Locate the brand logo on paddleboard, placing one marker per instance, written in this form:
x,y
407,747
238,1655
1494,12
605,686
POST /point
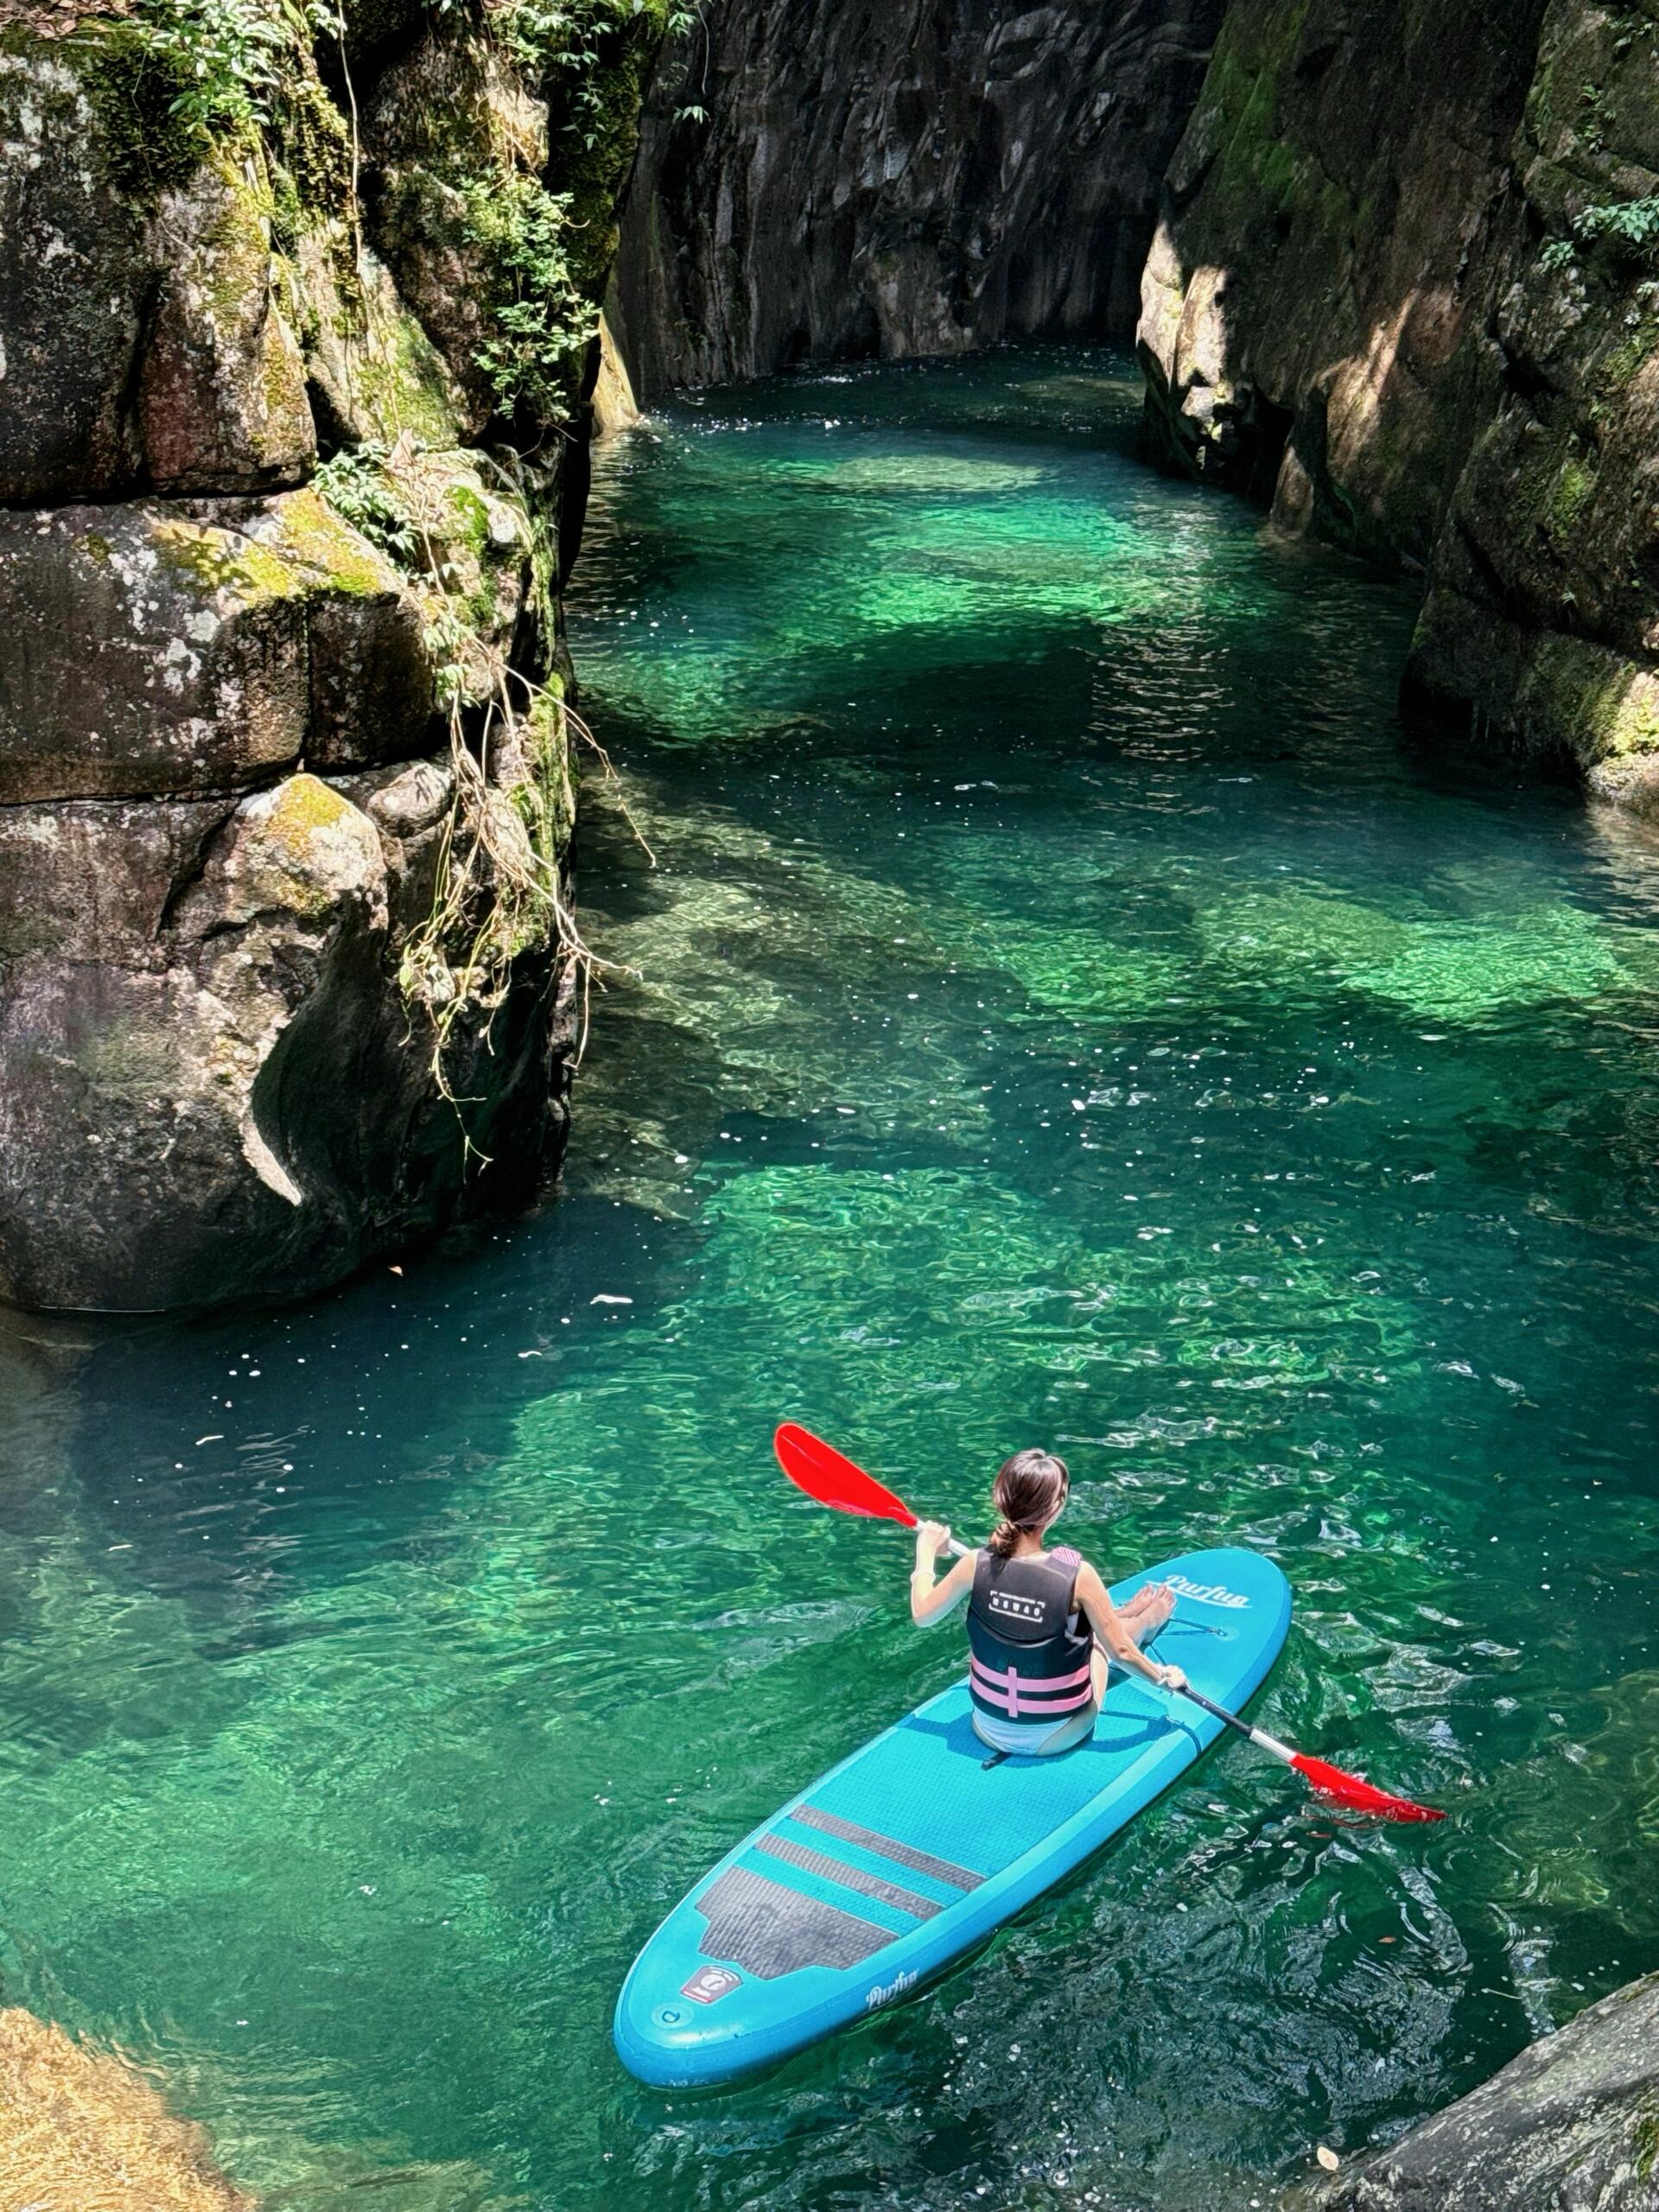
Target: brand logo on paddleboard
x,y
1207,1594
710,1983
885,1992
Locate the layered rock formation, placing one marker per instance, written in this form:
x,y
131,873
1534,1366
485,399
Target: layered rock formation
x,y
849,181
1403,285
291,350
1573,2123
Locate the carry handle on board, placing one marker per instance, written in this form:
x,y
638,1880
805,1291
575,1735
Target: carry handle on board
x,y
832,1479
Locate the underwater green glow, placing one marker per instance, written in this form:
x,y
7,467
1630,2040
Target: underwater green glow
x,y
1064,1008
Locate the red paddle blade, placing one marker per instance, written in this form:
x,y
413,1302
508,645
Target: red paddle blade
x,y
828,1476
1358,1795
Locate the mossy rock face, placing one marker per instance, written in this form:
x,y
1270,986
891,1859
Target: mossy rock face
x,y
448,127
141,347
376,376
1540,629
304,849
1316,303
1548,695
156,649
221,398
74,271
371,691
225,788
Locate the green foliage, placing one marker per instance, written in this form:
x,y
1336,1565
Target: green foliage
x,y
357,486
588,59
135,88
1557,254
225,57
566,39
539,316
176,77
1629,227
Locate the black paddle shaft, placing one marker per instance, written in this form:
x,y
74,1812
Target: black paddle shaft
x,y
1198,1697
1219,1711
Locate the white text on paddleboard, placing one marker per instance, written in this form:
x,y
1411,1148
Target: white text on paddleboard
x,y
1207,1594
885,1992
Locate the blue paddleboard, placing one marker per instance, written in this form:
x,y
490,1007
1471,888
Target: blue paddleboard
x,y
909,1851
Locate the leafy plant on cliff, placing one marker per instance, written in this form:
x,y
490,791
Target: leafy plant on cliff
x,y
356,485
172,79
227,54
538,317
1629,227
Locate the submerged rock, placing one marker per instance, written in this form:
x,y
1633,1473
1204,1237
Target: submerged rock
x,y
81,2131
1571,2126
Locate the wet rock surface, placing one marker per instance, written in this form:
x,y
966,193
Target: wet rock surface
x,y
1570,2125
835,182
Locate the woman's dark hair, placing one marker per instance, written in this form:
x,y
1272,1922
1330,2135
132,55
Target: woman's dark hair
x,y
1029,1490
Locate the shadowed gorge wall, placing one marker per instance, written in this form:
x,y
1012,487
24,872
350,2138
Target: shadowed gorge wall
x,y
865,182
1403,284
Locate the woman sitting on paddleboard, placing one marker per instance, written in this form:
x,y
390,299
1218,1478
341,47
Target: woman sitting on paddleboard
x,y
1036,1672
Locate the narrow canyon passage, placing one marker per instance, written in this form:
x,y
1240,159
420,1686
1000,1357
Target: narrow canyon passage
x,y
1064,1008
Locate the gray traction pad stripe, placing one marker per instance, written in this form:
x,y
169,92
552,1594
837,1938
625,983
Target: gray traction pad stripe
x,y
770,1930
846,1876
902,1855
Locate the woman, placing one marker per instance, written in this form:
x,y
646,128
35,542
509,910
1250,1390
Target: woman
x,y
1036,1672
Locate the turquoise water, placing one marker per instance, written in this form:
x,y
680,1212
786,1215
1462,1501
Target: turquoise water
x,y
1066,1010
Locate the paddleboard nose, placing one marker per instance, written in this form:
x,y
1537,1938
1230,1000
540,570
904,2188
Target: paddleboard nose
x,y
675,2042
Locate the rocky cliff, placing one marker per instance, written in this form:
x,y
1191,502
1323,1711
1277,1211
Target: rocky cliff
x,y
1403,285
1572,2123
295,315
860,182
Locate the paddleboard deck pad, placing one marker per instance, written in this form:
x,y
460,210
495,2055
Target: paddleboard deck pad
x,y
913,1850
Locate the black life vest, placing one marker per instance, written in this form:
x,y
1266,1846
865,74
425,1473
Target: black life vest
x,y
1030,1646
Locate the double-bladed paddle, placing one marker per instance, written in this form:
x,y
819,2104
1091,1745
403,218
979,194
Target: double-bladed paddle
x,y
832,1479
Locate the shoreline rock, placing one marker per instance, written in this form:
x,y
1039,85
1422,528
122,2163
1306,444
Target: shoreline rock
x,y
1570,2125
294,406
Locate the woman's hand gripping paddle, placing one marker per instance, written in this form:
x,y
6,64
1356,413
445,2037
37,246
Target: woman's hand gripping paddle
x,y
831,1479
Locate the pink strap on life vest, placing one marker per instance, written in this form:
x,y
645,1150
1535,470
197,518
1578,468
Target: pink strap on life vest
x,y
1036,1697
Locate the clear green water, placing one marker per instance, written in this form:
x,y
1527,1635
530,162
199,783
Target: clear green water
x,y
1066,1011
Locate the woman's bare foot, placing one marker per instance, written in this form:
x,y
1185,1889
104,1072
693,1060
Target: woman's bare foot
x,y
1147,1610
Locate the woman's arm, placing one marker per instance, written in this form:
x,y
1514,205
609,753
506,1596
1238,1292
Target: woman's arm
x,y
1105,1621
930,1601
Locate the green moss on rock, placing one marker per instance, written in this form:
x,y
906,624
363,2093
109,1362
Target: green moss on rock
x,y
143,143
